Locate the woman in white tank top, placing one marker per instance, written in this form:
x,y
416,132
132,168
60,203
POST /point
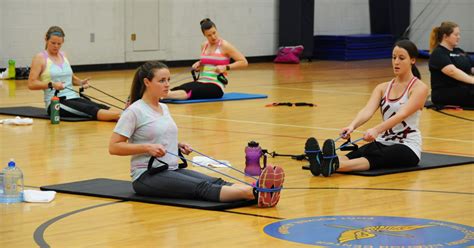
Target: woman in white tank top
x,y
396,141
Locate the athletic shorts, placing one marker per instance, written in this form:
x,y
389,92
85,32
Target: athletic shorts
x,y
79,107
384,156
201,90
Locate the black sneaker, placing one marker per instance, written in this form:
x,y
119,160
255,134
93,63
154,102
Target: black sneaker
x,y
313,153
330,162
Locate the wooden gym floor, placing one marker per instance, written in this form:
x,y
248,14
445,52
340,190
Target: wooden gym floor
x,y
50,154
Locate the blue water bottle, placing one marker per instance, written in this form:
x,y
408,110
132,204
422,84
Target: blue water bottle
x,y
12,184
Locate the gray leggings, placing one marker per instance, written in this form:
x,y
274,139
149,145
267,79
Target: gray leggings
x,y
180,183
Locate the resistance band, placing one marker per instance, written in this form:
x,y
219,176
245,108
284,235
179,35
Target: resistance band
x,y
224,174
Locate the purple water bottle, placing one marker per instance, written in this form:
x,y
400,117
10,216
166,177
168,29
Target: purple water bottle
x,y
253,152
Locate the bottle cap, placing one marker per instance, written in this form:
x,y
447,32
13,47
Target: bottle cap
x,y
11,163
253,144
55,98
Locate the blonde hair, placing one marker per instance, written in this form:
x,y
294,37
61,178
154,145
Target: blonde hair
x,y
436,36
56,31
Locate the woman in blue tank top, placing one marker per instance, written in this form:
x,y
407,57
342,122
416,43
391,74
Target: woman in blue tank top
x,y
51,72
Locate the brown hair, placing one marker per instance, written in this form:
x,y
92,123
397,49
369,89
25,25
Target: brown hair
x,y
206,24
412,50
146,70
436,36
56,31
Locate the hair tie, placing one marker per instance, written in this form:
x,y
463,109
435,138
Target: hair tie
x,y
57,34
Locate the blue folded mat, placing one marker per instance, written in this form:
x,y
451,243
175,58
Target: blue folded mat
x,y
231,96
353,47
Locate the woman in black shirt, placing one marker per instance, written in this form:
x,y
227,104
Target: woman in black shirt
x,y
451,68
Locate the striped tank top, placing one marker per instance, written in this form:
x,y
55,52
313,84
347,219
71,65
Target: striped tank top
x,y
57,73
406,132
209,63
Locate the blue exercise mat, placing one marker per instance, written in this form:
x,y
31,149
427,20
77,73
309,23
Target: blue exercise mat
x,y
231,96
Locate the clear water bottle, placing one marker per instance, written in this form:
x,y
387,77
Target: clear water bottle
x,y
12,184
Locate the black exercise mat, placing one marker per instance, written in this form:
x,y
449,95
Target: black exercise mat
x,y
122,190
431,105
34,112
428,161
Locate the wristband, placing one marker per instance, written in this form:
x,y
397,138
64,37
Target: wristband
x,y
227,67
50,85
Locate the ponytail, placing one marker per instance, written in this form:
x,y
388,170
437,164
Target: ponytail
x,y
146,70
434,39
415,71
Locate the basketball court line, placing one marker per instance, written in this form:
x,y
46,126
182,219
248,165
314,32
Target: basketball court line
x,y
316,90
302,126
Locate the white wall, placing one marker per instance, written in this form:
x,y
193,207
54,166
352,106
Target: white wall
x,y
251,25
24,24
340,17
458,11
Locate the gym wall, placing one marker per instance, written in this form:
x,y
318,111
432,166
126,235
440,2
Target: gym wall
x,y
99,31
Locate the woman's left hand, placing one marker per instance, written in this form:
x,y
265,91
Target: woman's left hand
x,y
221,69
185,148
371,134
85,83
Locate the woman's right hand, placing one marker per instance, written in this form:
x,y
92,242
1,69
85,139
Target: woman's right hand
x,y
197,65
58,85
156,150
346,132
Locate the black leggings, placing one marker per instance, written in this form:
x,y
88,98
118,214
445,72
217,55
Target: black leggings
x,y
462,95
180,183
383,156
201,90
79,107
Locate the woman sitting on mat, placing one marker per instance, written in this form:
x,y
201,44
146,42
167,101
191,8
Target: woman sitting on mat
x,y
394,142
213,66
51,72
452,81
147,130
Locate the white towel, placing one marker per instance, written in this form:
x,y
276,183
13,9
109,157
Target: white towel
x,y
4,74
17,121
38,196
201,160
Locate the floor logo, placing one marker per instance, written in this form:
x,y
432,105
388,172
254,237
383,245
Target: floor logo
x,y
372,232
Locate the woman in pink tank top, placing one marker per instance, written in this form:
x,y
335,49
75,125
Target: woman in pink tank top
x,y
212,66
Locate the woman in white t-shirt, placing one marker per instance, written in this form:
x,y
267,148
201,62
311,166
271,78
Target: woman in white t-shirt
x,y
147,131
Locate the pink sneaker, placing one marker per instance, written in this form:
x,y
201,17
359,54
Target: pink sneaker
x,y
272,177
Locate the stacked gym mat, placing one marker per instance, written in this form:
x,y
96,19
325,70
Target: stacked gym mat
x,y
353,47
